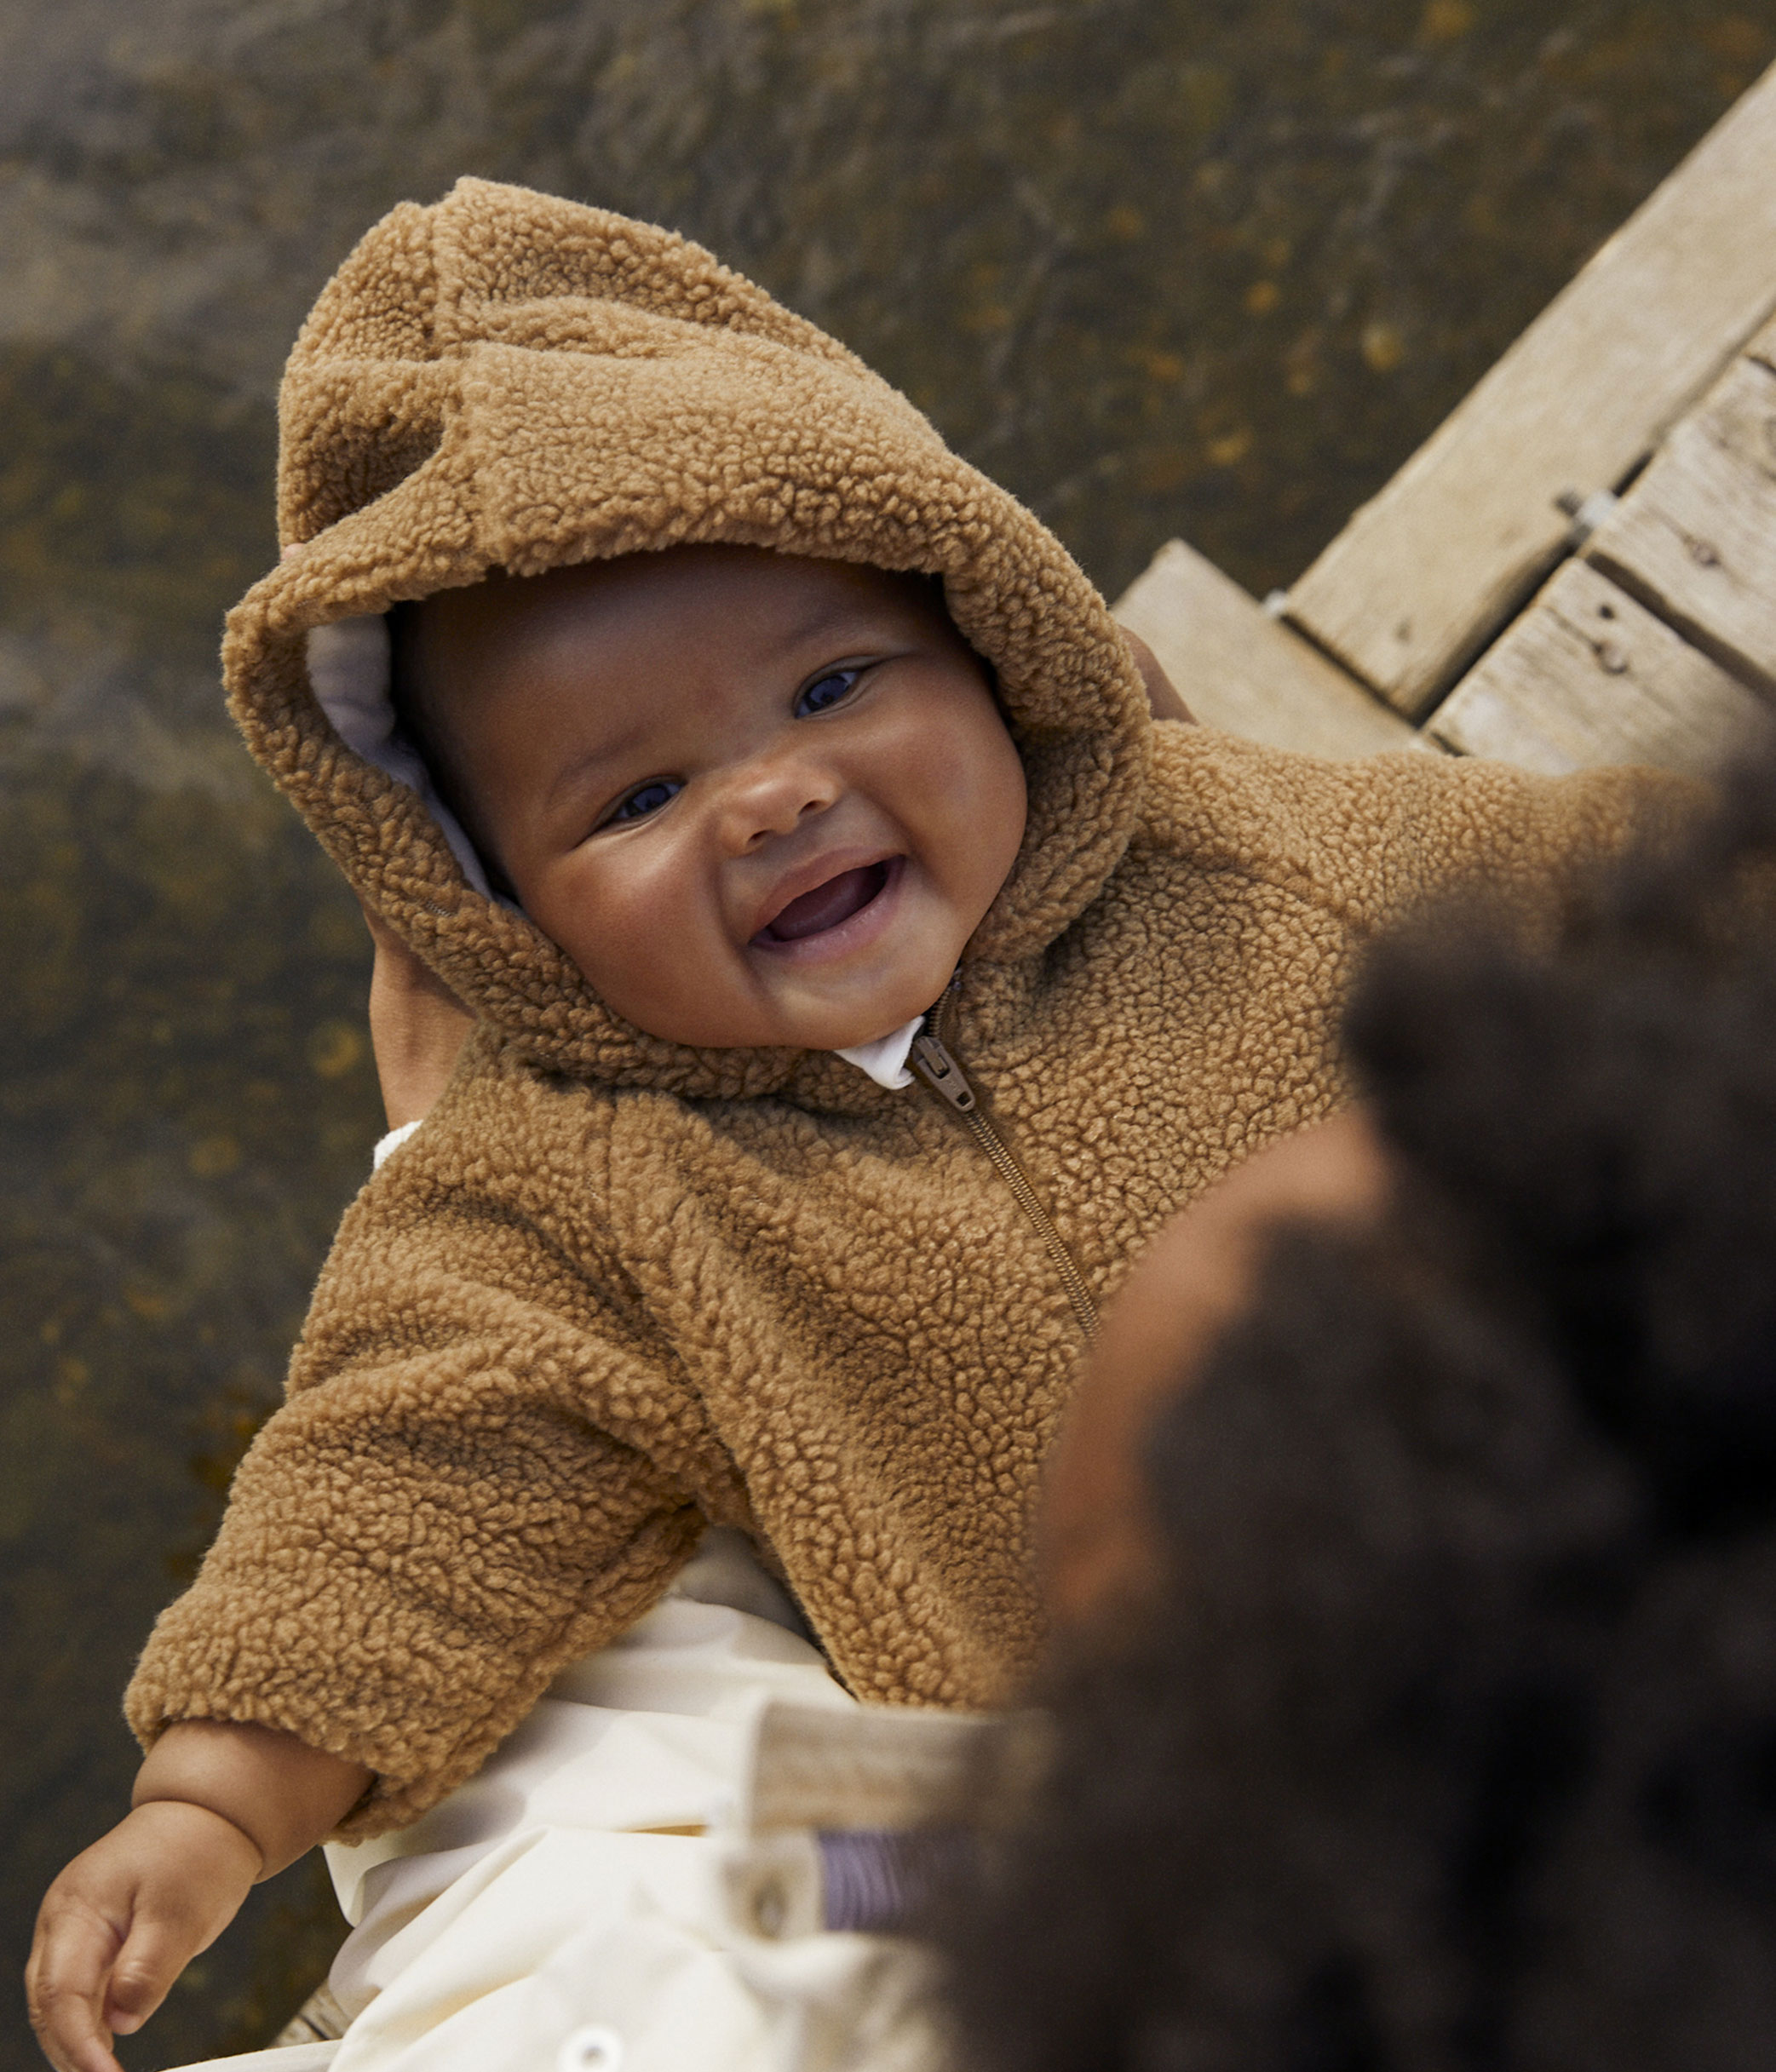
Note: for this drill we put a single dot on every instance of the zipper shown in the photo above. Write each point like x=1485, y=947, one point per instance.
x=933, y=1062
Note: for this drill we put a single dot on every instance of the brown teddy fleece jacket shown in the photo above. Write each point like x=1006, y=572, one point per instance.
x=614, y=1286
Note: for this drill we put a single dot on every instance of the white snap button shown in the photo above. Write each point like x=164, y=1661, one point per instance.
x=594, y=2048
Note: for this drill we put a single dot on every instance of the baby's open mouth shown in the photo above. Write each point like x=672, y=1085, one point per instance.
x=827, y=904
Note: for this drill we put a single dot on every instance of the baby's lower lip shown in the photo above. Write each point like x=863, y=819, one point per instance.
x=829, y=905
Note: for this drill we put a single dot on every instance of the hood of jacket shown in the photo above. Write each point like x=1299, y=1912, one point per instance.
x=507, y=380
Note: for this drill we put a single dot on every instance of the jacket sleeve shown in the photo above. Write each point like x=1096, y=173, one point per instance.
x=1375, y=839
x=1453, y=823
x=483, y=1470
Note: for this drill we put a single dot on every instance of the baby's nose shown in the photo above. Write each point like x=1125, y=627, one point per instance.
x=774, y=797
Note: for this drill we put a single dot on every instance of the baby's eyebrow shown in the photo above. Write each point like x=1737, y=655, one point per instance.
x=821, y=618
x=607, y=749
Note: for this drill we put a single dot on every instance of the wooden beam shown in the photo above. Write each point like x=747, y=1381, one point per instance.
x=1695, y=539
x=1588, y=676
x=1238, y=668
x=1422, y=577
x=1763, y=348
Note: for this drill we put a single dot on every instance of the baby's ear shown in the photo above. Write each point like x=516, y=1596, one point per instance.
x=1163, y=699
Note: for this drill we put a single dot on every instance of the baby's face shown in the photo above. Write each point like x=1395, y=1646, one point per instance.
x=757, y=800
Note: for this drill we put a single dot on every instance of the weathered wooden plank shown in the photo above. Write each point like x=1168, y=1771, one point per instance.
x=1236, y=667
x=1425, y=574
x=1587, y=676
x=1763, y=347
x=1695, y=539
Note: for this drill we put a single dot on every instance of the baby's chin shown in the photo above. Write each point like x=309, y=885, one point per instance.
x=767, y=1004
x=820, y=1027
x=822, y=1032
x=849, y=1025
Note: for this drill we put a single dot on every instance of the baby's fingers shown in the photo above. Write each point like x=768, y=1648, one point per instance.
x=176, y=1917
x=157, y=1951
x=65, y=1981
x=124, y=1918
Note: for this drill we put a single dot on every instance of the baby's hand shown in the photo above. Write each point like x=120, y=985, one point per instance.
x=219, y=1804
x=124, y=1918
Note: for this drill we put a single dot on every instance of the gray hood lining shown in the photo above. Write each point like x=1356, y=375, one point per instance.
x=349, y=671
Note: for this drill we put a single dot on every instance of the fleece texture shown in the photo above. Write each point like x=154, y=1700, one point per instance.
x=616, y=1287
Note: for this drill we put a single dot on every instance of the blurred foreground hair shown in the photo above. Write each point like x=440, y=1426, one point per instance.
x=1454, y=1747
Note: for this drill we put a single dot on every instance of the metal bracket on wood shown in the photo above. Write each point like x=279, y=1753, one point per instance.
x=1587, y=512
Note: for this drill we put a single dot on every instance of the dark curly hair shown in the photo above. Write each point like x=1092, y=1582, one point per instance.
x=1455, y=1747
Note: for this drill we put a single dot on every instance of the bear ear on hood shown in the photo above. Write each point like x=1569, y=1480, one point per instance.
x=506, y=380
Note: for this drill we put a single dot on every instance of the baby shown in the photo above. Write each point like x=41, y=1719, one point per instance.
x=860, y=976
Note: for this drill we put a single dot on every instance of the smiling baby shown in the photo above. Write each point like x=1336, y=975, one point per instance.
x=757, y=799
x=861, y=975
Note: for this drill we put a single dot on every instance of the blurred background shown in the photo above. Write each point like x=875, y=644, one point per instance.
x=1203, y=267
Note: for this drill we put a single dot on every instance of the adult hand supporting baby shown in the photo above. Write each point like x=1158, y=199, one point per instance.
x=218, y=1805
x=417, y=1026
x=1163, y=699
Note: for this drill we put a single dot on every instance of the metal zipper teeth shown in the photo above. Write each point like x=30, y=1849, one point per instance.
x=936, y=1068
x=1030, y=1202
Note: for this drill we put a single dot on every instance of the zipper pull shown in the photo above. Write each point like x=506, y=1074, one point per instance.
x=940, y=1072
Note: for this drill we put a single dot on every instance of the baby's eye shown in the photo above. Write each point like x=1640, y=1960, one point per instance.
x=645, y=799
x=827, y=690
